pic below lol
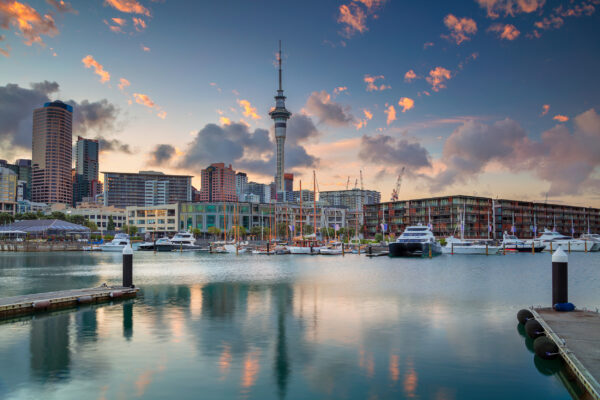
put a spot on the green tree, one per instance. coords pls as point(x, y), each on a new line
point(111, 224)
point(308, 229)
point(57, 215)
point(196, 232)
point(378, 237)
point(255, 231)
point(77, 219)
point(213, 230)
point(92, 225)
point(6, 218)
point(133, 230)
point(282, 230)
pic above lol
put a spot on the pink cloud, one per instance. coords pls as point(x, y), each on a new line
point(437, 78)
point(461, 29)
point(90, 62)
point(410, 76)
point(508, 31)
point(406, 103)
point(128, 6)
point(495, 8)
point(390, 112)
point(545, 109)
point(354, 18)
point(560, 118)
point(371, 86)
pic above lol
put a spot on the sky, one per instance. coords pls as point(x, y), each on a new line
point(495, 98)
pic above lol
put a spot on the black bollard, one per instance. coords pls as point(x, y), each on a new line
point(370, 250)
point(268, 247)
point(560, 277)
point(128, 266)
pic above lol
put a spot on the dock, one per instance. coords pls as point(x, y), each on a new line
point(40, 302)
point(577, 335)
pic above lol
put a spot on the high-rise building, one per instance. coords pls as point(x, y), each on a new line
point(288, 182)
point(218, 183)
point(52, 152)
point(124, 189)
point(280, 115)
point(86, 181)
point(241, 180)
point(23, 170)
point(307, 196)
point(259, 189)
point(8, 191)
point(353, 199)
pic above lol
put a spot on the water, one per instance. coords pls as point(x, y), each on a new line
point(294, 327)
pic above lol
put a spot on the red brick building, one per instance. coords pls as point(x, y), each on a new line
point(218, 183)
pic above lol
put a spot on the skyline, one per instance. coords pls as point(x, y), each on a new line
point(486, 97)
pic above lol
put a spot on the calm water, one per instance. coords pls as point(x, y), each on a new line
point(294, 327)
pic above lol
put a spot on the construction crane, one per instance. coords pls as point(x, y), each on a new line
point(396, 190)
point(356, 184)
point(347, 183)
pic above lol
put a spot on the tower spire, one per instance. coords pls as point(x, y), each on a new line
point(279, 57)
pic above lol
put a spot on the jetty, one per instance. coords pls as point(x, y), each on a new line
point(577, 336)
point(40, 302)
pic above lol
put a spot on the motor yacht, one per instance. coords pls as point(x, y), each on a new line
point(513, 243)
point(150, 246)
point(554, 239)
point(117, 244)
point(466, 246)
point(591, 237)
point(415, 241)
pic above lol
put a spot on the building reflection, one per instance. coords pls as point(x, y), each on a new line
point(49, 348)
point(128, 320)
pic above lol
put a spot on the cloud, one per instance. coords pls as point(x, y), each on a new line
point(545, 109)
point(90, 62)
point(162, 154)
point(339, 90)
point(385, 150)
point(406, 103)
point(128, 6)
point(27, 22)
point(119, 21)
point(123, 83)
point(508, 31)
point(224, 121)
point(145, 48)
point(61, 6)
point(551, 22)
point(4, 52)
point(390, 112)
point(461, 29)
point(560, 118)
point(139, 24)
point(361, 123)
point(555, 19)
point(248, 110)
point(17, 105)
point(354, 18)
point(495, 8)
point(146, 101)
point(328, 111)
point(113, 145)
point(437, 78)
point(426, 45)
point(410, 76)
point(371, 86)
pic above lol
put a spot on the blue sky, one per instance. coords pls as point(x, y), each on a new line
point(205, 58)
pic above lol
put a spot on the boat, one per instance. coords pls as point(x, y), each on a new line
point(117, 244)
point(231, 248)
point(415, 241)
point(591, 237)
point(466, 246)
point(333, 249)
point(263, 251)
point(553, 239)
point(513, 243)
point(149, 246)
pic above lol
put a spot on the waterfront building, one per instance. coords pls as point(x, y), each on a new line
point(288, 182)
point(483, 217)
point(159, 220)
point(280, 115)
point(26, 206)
point(241, 181)
point(8, 191)
point(51, 180)
point(23, 170)
point(123, 189)
point(21, 191)
point(259, 189)
point(44, 228)
point(100, 215)
point(307, 196)
point(85, 181)
point(218, 183)
point(353, 199)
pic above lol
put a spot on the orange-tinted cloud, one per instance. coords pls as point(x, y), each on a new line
point(406, 103)
point(510, 7)
point(428, 44)
point(354, 18)
point(410, 76)
point(123, 83)
point(145, 48)
point(128, 6)
point(390, 111)
point(27, 22)
point(368, 114)
point(249, 111)
point(139, 24)
point(4, 52)
point(371, 86)
point(146, 101)
point(552, 22)
point(508, 31)
point(89, 62)
point(560, 118)
point(361, 123)
point(119, 21)
point(545, 109)
point(225, 121)
point(339, 90)
point(61, 6)
point(437, 78)
point(162, 114)
point(461, 29)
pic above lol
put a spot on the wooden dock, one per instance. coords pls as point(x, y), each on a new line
point(577, 335)
point(40, 302)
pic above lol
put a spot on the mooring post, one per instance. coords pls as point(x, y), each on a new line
point(532, 246)
point(486, 248)
point(451, 248)
point(128, 266)
point(560, 277)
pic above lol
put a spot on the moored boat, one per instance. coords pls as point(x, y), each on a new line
point(415, 241)
point(513, 243)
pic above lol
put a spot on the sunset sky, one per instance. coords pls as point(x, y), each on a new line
point(487, 97)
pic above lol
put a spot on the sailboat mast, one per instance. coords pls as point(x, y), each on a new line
point(301, 220)
point(315, 202)
point(224, 223)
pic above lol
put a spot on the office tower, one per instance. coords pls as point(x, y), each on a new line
point(218, 183)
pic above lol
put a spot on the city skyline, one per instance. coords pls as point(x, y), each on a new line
point(493, 98)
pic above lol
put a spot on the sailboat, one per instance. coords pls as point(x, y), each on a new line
point(465, 246)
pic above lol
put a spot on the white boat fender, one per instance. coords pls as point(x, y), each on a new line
point(41, 304)
point(84, 299)
point(534, 329)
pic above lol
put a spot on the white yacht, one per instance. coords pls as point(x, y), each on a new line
point(149, 246)
point(333, 249)
point(415, 241)
point(594, 238)
point(513, 243)
point(117, 244)
point(465, 246)
point(554, 239)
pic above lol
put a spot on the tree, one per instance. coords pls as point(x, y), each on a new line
point(77, 219)
point(308, 229)
point(213, 230)
point(133, 230)
point(6, 218)
point(378, 237)
point(256, 231)
point(111, 224)
point(282, 230)
point(196, 232)
point(57, 215)
point(92, 225)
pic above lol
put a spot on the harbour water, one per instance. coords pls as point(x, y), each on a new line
point(294, 327)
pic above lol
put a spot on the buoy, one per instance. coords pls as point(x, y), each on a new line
point(533, 329)
point(116, 293)
point(545, 348)
point(84, 299)
point(564, 307)
point(524, 315)
point(41, 304)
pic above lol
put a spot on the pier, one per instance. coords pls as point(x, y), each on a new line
point(39, 302)
point(577, 336)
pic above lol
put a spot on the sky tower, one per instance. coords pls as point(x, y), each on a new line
point(280, 115)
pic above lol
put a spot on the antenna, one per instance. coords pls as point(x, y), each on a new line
point(279, 57)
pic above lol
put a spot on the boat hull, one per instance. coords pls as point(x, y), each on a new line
point(299, 250)
point(413, 250)
point(112, 248)
point(471, 250)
